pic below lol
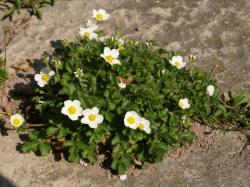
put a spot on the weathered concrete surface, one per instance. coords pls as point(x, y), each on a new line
point(214, 160)
point(217, 31)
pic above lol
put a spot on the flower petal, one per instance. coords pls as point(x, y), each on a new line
point(116, 61)
point(93, 125)
point(86, 112)
point(64, 110)
point(106, 51)
point(114, 53)
point(95, 110)
point(73, 117)
point(99, 119)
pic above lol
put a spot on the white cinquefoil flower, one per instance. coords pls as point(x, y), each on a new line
point(92, 117)
point(131, 119)
point(210, 90)
point(144, 125)
point(88, 33)
point(184, 103)
point(111, 56)
point(178, 62)
point(44, 76)
point(17, 120)
point(72, 109)
point(100, 15)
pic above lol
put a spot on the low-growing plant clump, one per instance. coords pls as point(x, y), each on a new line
point(126, 99)
point(33, 6)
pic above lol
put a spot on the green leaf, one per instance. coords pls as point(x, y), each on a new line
point(73, 154)
point(69, 143)
point(33, 135)
point(115, 140)
point(30, 146)
point(62, 132)
point(51, 131)
point(44, 148)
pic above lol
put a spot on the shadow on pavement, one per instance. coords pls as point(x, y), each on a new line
point(5, 182)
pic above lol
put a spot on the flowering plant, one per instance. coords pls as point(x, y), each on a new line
point(127, 98)
point(32, 5)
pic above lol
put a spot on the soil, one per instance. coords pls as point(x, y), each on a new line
point(216, 31)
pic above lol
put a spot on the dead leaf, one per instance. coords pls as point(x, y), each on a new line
point(62, 139)
point(225, 97)
point(127, 81)
point(24, 66)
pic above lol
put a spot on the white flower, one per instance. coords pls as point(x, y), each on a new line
point(111, 56)
point(123, 177)
point(92, 117)
point(178, 62)
point(88, 33)
point(131, 119)
point(184, 103)
point(100, 15)
point(163, 71)
point(72, 109)
point(44, 76)
point(144, 125)
point(210, 90)
point(122, 85)
point(78, 73)
point(17, 120)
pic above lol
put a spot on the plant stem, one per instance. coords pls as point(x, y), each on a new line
point(5, 113)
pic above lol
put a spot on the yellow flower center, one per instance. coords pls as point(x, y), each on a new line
point(92, 117)
point(109, 58)
point(16, 122)
point(87, 34)
point(181, 104)
point(178, 64)
point(72, 110)
point(99, 17)
point(141, 126)
point(131, 120)
point(45, 77)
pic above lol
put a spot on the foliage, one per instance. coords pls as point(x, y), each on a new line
point(31, 5)
point(3, 72)
point(153, 93)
